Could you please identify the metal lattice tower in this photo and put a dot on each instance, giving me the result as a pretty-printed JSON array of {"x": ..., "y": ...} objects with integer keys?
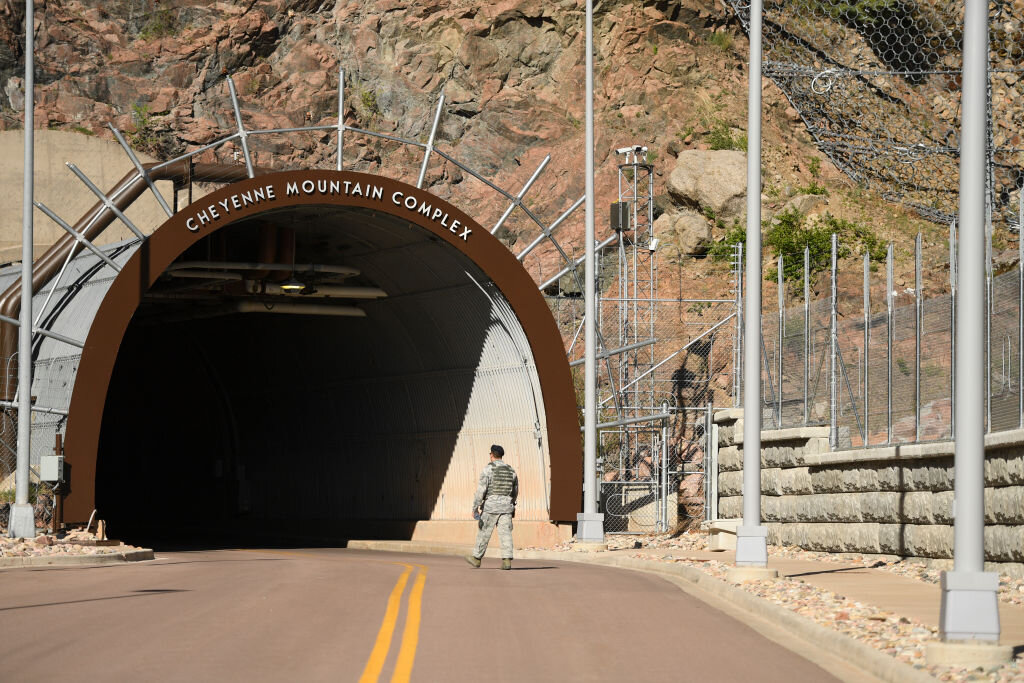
[
  {"x": 629, "y": 318},
  {"x": 638, "y": 283}
]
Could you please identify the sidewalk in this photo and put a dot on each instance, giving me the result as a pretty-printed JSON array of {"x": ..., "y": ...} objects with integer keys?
[{"x": 910, "y": 598}]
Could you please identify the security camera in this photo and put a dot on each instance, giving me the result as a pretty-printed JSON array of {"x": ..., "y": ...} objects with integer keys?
[
  {"x": 637, "y": 149},
  {"x": 624, "y": 150}
]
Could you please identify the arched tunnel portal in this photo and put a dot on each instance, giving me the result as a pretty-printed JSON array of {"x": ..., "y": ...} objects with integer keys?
[{"x": 362, "y": 402}]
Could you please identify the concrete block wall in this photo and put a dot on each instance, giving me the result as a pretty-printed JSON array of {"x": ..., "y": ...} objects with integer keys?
[{"x": 896, "y": 500}]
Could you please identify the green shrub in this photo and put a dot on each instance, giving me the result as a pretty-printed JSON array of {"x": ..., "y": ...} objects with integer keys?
[
  {"x": 814, "y": 166},
  {"x": 724, "y": 250},
  {"x": 813, "y": 188},
  {"x": 721, "y": 137},
  {"x": 721, "y": 40},
  {"x": 790, "y": 232}
]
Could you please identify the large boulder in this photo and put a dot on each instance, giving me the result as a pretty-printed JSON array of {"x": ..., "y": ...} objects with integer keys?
[
  {"x": 683, "y": 233},
  {"x": 711, "y": 179}
]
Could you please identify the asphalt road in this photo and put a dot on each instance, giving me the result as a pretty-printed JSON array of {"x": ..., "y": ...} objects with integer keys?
[{"x": 347, "y": 615}]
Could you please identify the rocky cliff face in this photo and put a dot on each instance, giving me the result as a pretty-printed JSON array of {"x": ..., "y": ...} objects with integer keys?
[{"x": 670, "y": 74}]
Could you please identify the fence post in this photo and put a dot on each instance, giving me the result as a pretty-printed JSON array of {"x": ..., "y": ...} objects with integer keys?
[
  {"x": 867, "y": 343},
  {"x": 833, "y": 438},
  {"x": 917, "y": 337},
  {"x": 737, "y": 364},
  {"x": 952, "y": 328},
  {"x": 988, "y": 319},
  {"x": 807, "y": 330},
  {"x": 782, "y": 341},
  {"x": 888, "y": 333}
]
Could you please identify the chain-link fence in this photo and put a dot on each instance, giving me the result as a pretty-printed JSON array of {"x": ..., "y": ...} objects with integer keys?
[
  {"x": 878, "y": 84},
  {"x": 889, "y": 375},
  {"x": 53, "y": 380},
  {"x": 657, "y": 484}
]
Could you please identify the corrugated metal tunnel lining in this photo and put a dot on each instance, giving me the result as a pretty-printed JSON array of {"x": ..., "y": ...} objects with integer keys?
[{"x": 324, "y": 419}]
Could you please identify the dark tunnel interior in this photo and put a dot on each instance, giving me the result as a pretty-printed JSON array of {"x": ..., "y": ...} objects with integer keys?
[{"x": 238, "y": 412}]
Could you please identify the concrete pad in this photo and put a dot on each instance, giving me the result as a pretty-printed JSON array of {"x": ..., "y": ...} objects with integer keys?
[
  {"x": 969, "y": 655},
  {"x": 525, "y": 533},
  {"x": 740, "y": 574},
  {"x": 589, "y": 546}
]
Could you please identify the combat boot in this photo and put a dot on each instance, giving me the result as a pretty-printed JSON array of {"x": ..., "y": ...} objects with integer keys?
[
  {"x": 474, "y": 562},
  {"x": 506, "y": 563}
]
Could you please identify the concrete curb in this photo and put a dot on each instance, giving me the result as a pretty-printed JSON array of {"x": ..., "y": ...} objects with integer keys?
[
  {"x": 710, "y": 590},
  {"x": 76, "y": 560}
]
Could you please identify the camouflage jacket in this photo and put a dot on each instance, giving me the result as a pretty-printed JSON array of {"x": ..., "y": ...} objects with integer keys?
[{"x": 498, "y": 489}]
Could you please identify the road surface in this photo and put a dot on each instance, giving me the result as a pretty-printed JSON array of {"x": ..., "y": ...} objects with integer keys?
[{"x": 349, "y": 615}]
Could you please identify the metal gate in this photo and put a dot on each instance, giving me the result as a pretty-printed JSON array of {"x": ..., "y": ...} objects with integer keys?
[{"x": 653, "y": 476}]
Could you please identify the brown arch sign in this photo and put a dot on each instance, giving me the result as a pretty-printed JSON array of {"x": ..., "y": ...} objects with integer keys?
[{"x": 263, "y": 193}]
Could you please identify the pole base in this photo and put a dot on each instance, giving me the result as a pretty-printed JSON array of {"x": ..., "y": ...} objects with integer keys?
[
  {"x": 751, "y": 546},
  {"x": 22, "y": 522},
  {"x": 590, "y": 527},
  {"x": 589, "y": 546},
  {"x": 969, "y": 610},
  {"x": 741, "y": 574},
  {"x": 968, "y": 655}
]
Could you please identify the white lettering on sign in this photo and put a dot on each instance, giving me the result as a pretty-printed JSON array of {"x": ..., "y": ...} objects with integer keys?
[
  {"x": 263, "y": 194},
  {"x": 333, "y": 187},
  {"x": 420, "y": 206},
  {"x": 224, "y": 207}
]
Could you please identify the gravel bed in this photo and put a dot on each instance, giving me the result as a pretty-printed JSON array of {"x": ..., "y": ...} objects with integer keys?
[
  {"x": 74, "y": 543},
  {"x": 886, "y": 631}
]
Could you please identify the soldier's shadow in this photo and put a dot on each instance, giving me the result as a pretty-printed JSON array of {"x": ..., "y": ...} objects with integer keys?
[{"x": 524, "y": 569}]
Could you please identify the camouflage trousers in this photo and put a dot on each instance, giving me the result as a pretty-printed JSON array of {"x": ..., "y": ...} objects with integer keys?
[{"x": 504, "y": 523}]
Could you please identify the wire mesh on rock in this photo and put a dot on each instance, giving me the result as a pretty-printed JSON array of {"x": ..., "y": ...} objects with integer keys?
[{"x": 877, "y": 83}]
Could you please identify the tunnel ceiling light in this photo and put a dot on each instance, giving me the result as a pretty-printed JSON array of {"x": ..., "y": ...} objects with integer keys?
[{"x": 292, "y": 285}]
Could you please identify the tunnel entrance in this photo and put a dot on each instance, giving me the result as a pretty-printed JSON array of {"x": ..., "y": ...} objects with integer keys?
[{"x": 321, "y": 370}]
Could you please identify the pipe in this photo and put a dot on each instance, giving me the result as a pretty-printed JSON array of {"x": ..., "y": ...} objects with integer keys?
[
  {"x": 297, "y": 309},
  {"x": 328, "y": 292},
  {"x": 205, "y": 275},
  {"x": 94, "y": 222},
  {"x": 258, "y": 266}
]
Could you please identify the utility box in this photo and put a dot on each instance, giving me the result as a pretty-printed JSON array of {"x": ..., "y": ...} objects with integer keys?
[
  {"x": 620, "y": 214},
  {"x": 51, "y": 468}
]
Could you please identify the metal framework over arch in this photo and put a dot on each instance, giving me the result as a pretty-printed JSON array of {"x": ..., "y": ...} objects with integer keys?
[{"x": 274, "y": 192}]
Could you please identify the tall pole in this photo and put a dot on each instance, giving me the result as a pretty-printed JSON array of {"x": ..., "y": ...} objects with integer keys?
[
  {"x": 969, "y": 608},
  {"x": 22, "y": 518},
  {"x": 751, "y": 537},
  {"x": 590, "y": 523}
]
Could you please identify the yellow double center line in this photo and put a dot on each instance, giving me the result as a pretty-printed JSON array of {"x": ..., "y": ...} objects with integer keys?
[{"x": 410, "y": 634}]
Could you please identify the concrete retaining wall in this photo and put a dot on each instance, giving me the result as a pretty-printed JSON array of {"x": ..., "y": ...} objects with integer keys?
[{"x": 895, "y": 501}]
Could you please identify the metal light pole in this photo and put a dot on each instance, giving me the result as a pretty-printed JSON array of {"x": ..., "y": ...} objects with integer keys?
[
  {"x": 751, "y": 537},
  {"x": 590, "y": 522},
  {"x": 21, "y": 523},
  {"x": 969, "y": 608}
]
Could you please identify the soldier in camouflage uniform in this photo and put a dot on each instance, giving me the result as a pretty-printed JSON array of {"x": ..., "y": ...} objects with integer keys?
[{"x": 495, "y": 505}]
